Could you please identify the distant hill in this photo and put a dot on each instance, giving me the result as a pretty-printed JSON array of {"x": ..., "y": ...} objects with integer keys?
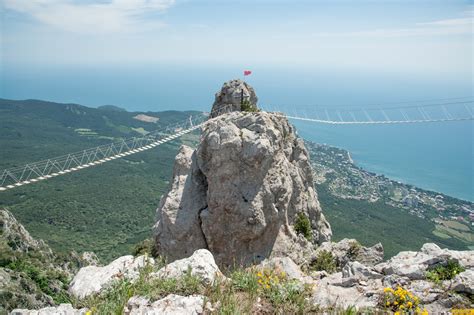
[
  {"x": 112, "y": 108},
  {"x": 107, "y": 209}
]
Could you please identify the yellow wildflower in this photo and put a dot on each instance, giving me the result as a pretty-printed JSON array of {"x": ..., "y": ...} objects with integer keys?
[{"x": 409, "y": 304}]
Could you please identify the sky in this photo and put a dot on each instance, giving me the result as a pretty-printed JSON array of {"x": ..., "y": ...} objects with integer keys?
[{"x": 410, "y": 37}]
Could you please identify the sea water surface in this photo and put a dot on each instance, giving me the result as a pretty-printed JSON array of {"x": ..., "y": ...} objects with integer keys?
[{"x": 434, "y": 156}]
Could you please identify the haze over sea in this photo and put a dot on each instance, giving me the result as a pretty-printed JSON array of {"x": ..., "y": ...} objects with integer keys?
[{"x": 434, "y": 156}]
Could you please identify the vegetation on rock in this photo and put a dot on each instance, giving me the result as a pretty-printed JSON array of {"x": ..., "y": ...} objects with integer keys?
[
  {"x": 246, "y": 106},
  {"x": 325, "y": 261},
  {"x": 303, "y": 225},
  {"x": 444, "y": 272}
]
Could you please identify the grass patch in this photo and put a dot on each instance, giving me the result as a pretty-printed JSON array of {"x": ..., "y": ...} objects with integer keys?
[
  {"x": 441, "y": 234},
  {"x": 246, "y": 291}
]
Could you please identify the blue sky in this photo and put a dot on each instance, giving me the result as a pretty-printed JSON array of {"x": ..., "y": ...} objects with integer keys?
[{"x": 392, "y": 36}]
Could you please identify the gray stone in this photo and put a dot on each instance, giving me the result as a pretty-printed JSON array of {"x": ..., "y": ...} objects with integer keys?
[
  {"x": 356, "y": 269},
  {"x": 62, "y": 309},
  {"x": 370, "y": 256},
  {"x": 394, "y": 281},
  {"x": 231, "y": 95},
  {"x": 93, "y": 279},
  {"x": 333, "y": 291},
  {"x": 170, "y": 305},
  {"x": 465, "y": 257},
  {"x": 414, "y": 265},
  {"x": 201, "y": 264},
  {"x": 464, "y": 282},
  {"x": 239, "y": 193}
]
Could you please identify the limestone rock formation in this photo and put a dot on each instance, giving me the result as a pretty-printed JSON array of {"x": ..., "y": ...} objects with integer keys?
[
  {"x": 238, "y": 194},
  {"x": 18, "y": 238},
  {"x": 201, "y": 264},
  {"x": 24, "y": 260},
  {"x": 231, "y": 97},
  {"x": 93, "y": 279}
]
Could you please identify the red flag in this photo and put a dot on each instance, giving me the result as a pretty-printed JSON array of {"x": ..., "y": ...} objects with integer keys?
[{"x": 247, "y": 72}]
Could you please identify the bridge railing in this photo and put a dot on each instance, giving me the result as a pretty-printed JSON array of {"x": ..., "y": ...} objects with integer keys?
[{"x": 440, "y": 112}]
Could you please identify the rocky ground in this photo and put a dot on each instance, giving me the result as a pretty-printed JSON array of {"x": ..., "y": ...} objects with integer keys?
[{"x": 350, "y": 277}]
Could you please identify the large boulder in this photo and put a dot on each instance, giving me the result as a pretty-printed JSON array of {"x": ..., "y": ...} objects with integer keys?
[
  {"x": 93, "y": 279},
  {"x": 287, "y": 266},
  {"x": 335, "y": 291},
  {"x": 240, "y": 192},
  {"x": 231, "y": 97},
  {"x": 464, "y": 257},
  {"x": 201, "y": 264}
]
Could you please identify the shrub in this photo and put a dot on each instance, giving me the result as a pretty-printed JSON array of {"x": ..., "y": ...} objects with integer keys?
[
  {"x": 303, "y": 226},
  {"x": 246, "y": 106},
  {"x": 325, "y": 261},
  {"x": 444, "y": 272},
  {"x": 400, "y": 300},
  {"x": 354, "y": 249},
  {"x": 144, "y": 247}
]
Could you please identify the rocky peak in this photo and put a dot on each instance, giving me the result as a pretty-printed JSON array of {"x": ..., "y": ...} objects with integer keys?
[
  {"x": 232, "y": 95},
  {"x": 240, "y": 192},
  {"x": 17, "y": 238}
]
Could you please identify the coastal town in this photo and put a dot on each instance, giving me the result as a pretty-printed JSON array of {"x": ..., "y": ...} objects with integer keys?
[{"x": 335, "y": 168}]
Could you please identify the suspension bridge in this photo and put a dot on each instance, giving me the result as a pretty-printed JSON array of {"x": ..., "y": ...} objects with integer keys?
[{"x": 452, "y": 111}]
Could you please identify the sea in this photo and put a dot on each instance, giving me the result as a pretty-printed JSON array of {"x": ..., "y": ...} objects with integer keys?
[{"x": 433, "y": 156}]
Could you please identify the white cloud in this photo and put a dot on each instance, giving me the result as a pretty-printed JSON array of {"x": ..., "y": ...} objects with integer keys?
[
  {"x": 457, "y": 26},
  {"x": 93, "y": 17}
]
